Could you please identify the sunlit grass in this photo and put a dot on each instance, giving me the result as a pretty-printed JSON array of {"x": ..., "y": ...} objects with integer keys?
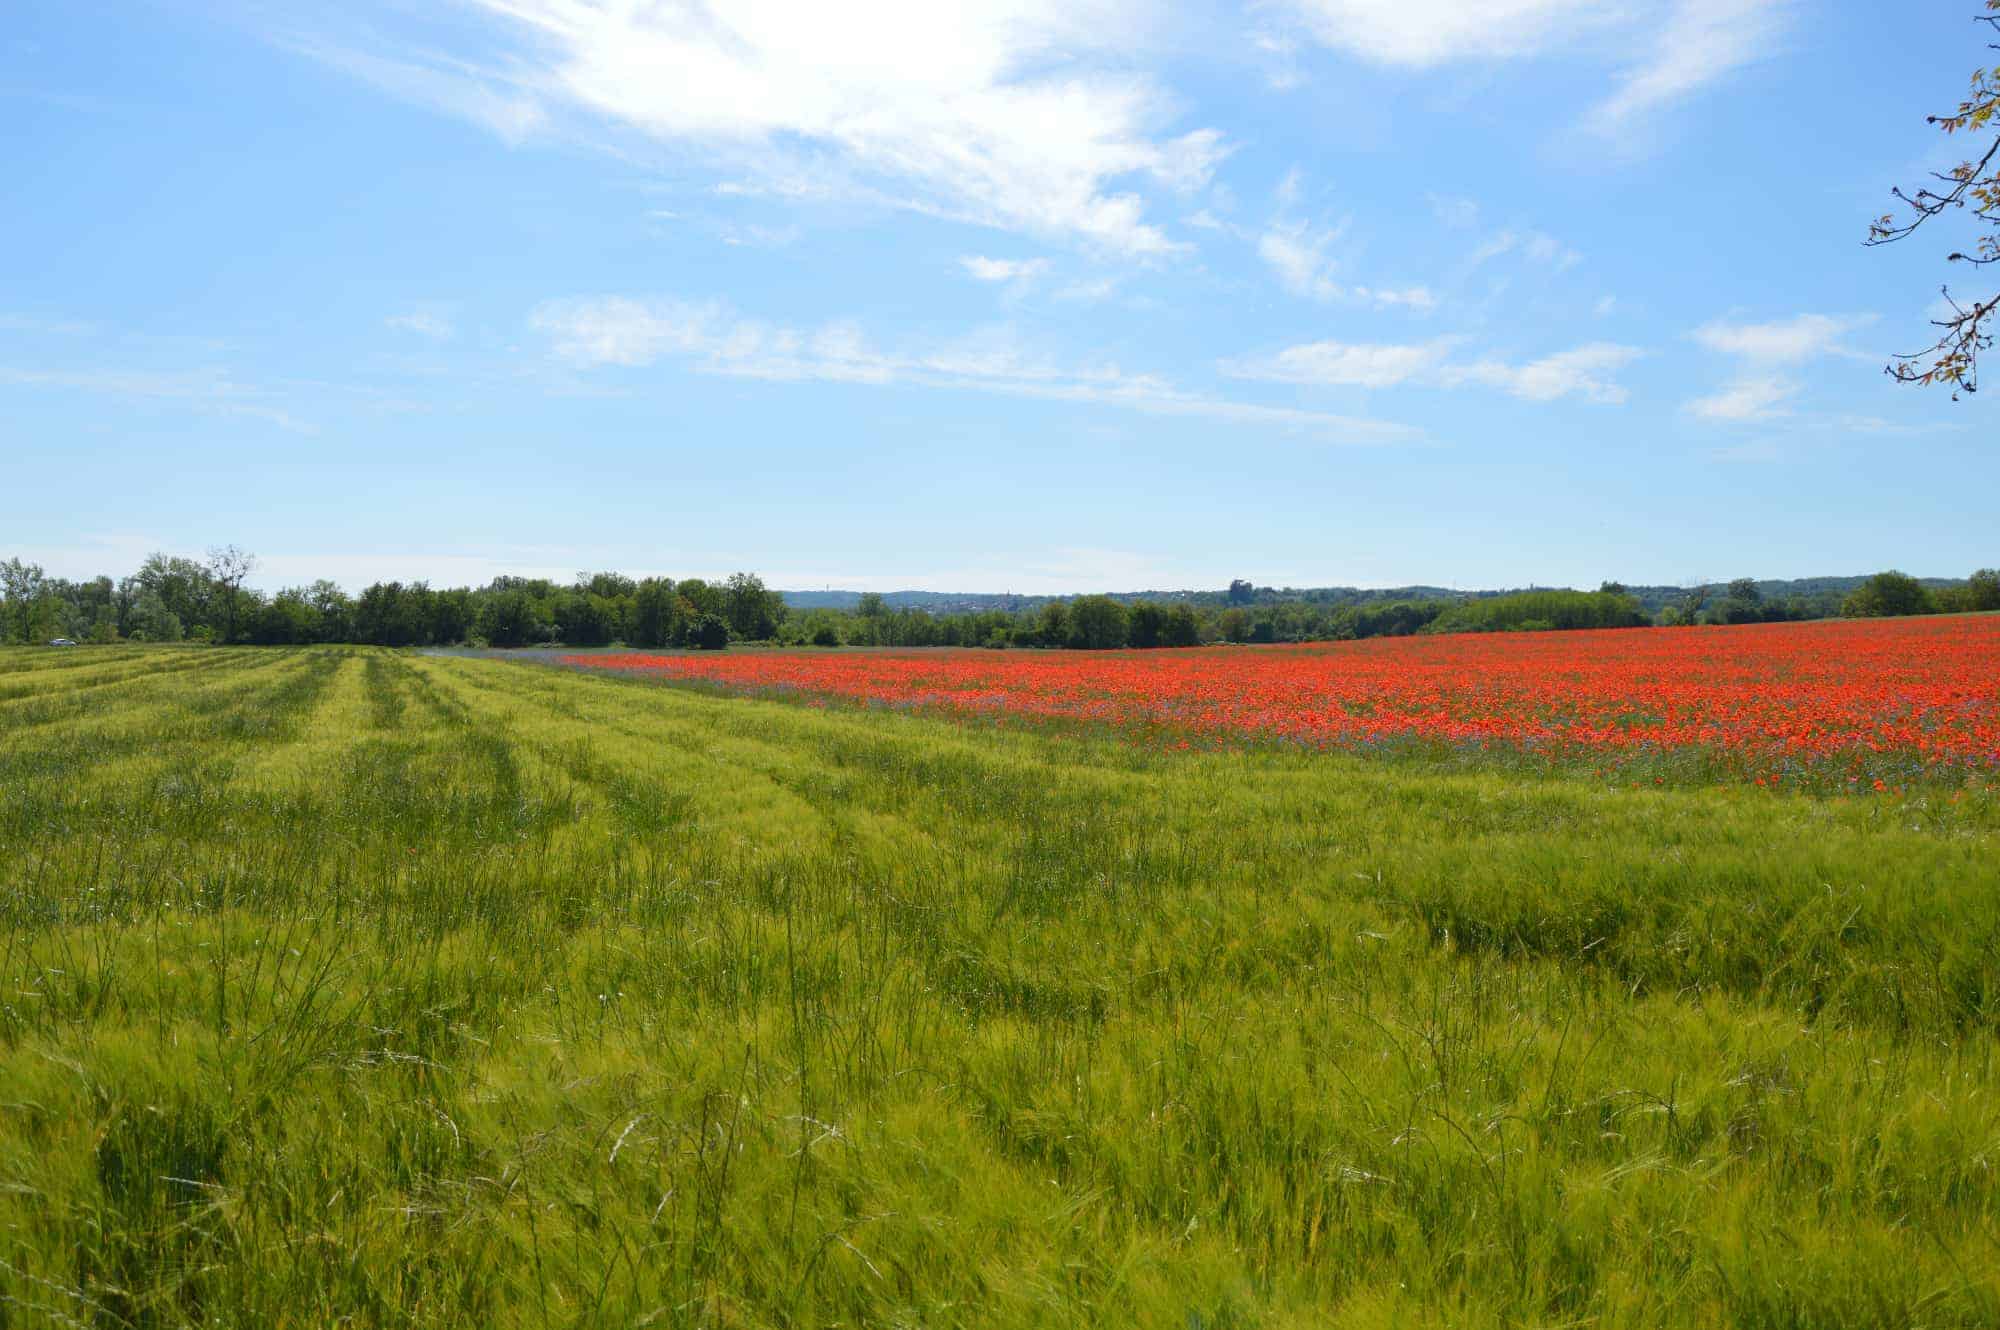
[{"x": 341, "y": 985}]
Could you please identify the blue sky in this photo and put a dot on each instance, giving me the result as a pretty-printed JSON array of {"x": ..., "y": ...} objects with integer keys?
[{"x": 1031, "y": 295}]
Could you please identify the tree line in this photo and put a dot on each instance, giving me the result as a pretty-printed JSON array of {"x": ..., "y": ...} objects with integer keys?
[
  {"x": 175, "y": 599},
  {"x": 172, "y": 599}
]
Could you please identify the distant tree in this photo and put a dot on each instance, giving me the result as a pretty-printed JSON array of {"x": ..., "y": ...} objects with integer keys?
[
  {"x": 152, "y": 621},
  {"x": 1096, "y": 623},
  {"x": 1181, "y": 628},
  {"x": 286, "y": 619},
  {"x": 708, "y": 632},
  {"x": 228, "y": 565},
  {"x": 1144, "y": 624},
  {"x": 1972, "y": 186},
  {"x": 1241, "y": 592},
  {"x": 334, "y": 610},
  {"x": 612, "y": 586},
  {"x": 22, "y": 588},
  {"x": 1983, "y": 589},
  {"x": 1686, "y": 610},
  {"x": 1885, "y": 594},
  {"x": 1614, "y": 588},
  {"x": 871, "y": 605},
  {"x": 181, "y": 584},
  {"x": 390, "y": 614},
  {"x": 1051, "y": 627},
  {"x": 585, "y": 620},
  {"x": 452, "y": 613},
  {"x": 654, "y": 614},
  {"x": 753, "y": 611},
  {"x": 1742, "y": 603},
  {"x": 703, "y": 598},
  {"x": 1234, "y": 625},
  {"x": 510, "y": 618}
]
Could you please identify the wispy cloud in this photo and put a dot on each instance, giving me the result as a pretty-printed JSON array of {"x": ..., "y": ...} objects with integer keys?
[
  {"x": 1422, "y": 34},
  {"x": 983, "y": 269},
  {"x": 490, "y": 98},
  {"x": 1688, "y": 44},
  {"x": 1584, "y": 371},
  {"x": 1760, "y": 391},
  {"x": 1702, "y": 42},
  {"x": 1302, "y": 256},
  {"x": 1751, "y": 398},
  {"x": 1757, "y": 451},
  {"x": 1022, "y": 114},
  {"x": 29, "y": 323},
  {"x": 1348, "y": 364},
  {"x": 618, "y": 331},
  {"x": 429, "y": 323},
  {"x": 1299, "y": 254},
  {"x": 211, "y": 390},
  {"x": 1784, "y": 341},
  {"x": 1537, "y": 247}
]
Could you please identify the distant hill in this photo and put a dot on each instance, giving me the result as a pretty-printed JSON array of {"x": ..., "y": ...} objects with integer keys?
[{"x": 1652, "y": 598}]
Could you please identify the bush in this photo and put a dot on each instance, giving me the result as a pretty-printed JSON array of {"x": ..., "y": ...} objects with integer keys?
[{"x": 709, "y": 632}]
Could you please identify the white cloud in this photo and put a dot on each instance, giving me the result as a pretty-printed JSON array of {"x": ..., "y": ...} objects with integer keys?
[
  {"x": 1703, "y": 40},
  {"x": 424, "y": 323},
  {"x": 1280, "y": 54},
  {"x": 1759, "y": 392},
  {"x": 1425, "y": 33},
  {"x": 1688, "y": 44},
  {"x": 1298, "y": 254},
  {"x": 1418, "y": 298},
  {"x": 1785, "y": 341},
  {"x": 1021, "y": 114},
  {"x": 455, "y": 87},
  {"x": 1605, "y": 306},
  {"x": 1535, "y": 246},
  {"x": 1584, "y": 372},
  {"x": 1089, "y": 292},
  {"x": 1003, "y": 270},
  {"x": 1347, "y": 364},
  {"x": 1747, "y": 399},
  {"x": 620, "y": 331}
]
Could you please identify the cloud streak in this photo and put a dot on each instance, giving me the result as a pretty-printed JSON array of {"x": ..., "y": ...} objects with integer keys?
[
  {"x": 1585, "y": 372},
  {"x": 212, "y": 390},
  {"x": 618, "y": 331},
  {"x": 1689, "y": 44}
]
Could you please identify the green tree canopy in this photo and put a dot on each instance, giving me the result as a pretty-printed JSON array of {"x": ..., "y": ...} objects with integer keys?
[{"x": 1888, "y": 593}]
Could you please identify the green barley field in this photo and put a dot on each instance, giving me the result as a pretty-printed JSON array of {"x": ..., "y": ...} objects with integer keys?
[{"x": 347, "y": 987}]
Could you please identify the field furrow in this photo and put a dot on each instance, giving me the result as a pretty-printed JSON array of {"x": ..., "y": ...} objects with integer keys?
[{"x": 347, "y": 985}]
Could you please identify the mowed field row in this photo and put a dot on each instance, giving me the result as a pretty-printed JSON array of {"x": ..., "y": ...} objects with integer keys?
[{"x": 338, "y": 984}]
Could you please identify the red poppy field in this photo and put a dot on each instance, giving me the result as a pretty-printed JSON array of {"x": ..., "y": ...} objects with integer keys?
[{"x": 1855, "y": 701}]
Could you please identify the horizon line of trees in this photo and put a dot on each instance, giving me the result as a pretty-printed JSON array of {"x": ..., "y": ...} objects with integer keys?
[{"x": 172, "y": 599}]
